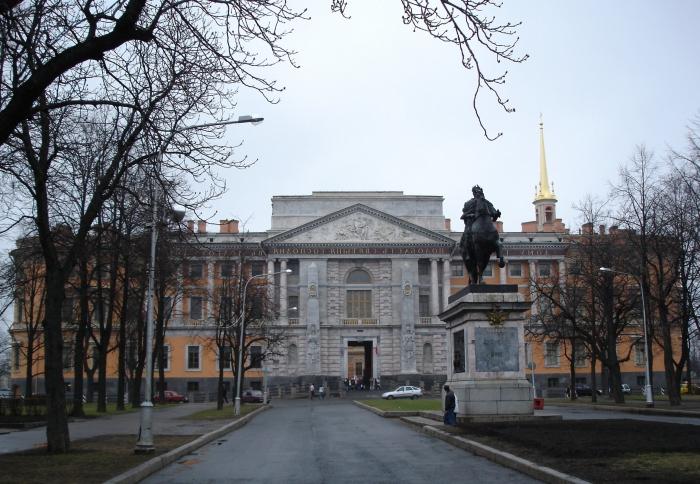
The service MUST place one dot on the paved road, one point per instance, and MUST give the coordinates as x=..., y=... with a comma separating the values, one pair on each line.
x=570, y=412
x=167, y=420
x=330, y=441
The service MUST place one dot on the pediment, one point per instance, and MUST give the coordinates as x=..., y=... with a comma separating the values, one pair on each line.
x=359, y=224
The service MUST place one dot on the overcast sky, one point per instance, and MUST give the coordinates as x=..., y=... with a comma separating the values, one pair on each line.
x=376, y=106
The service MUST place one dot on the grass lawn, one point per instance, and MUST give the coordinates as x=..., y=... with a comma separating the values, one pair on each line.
x=89, y=460
x=404, y=404
x=614, y=451
x=225, y=413
x=91, y=409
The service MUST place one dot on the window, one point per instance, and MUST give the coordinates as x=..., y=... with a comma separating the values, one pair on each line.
x=359, y=276
x=359, y=304
x=641, y=381
x=192, y=386
x=548, y=214
x=424, y=305
x=67, y=355
x=544, y=268
x=256, y=307
x=193, y=358
x=166, y=358
x=17, y=355
x=459, y=358
x=195, y=270
x=257, y=268
x=639, y=359
x=581, y=354
x=528, y=355
x=256, y=357
x=427, y=358
x=551, y=354
x=293, y=265
x=167, y=307
x=226, y=269
x=552, y=382
x=488, y=270
x=457, y=269
x=580, y=380
x=515, y=269
x=292, y=355
x=226, y=357
x=423, y=268
x=195, y=308
x=226, y=315
x=293, y=302
x=67, y=310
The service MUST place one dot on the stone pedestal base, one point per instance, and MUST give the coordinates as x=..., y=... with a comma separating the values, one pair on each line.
x=492, y=397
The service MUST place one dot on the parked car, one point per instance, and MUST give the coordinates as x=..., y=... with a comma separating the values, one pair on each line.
x=172, y=397
x=586, y=391
x=6, y=393
x=252, y=396
x=626, y=388
x=404, y=392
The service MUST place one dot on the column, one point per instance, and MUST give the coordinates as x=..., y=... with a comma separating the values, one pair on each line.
x=210, y=290
x=270, y=280
x=533, y=275
x=502, y=274
x=434, y=301
x=283, y=292
x=446, y=287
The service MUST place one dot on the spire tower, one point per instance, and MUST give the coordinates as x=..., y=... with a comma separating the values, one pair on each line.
x=545, y=201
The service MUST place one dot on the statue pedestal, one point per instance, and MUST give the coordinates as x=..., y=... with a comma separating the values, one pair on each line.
x=486, y=344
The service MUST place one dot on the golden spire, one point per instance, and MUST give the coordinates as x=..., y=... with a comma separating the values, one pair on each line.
x=543, y=189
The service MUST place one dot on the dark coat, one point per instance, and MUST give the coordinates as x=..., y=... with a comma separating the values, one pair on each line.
x=450, y=401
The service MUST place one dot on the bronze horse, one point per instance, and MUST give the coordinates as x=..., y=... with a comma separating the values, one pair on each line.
x=484, y=241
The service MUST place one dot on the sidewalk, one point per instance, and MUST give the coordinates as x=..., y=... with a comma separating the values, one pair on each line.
x=166, y=421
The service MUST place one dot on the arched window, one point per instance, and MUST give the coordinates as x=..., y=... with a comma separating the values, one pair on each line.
x=358, y=301
x=358, y=276
x=292, y=355
x=548, y=214
x=427, y=358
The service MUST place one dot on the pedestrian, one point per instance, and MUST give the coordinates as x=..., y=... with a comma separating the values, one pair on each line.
x=311, y=391
x=450, y=417
x=377, y=385
x=322, y=392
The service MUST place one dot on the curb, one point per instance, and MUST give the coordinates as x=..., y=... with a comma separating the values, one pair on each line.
x=151, y=466
x=641, y=410
x=545, y=474
x=386, y=413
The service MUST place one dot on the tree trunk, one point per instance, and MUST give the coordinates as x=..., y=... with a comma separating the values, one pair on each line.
x=672, y=389
x=57, y=435
x=594, y=384
x=29, y=375
x=572, y=370
x=80, y=336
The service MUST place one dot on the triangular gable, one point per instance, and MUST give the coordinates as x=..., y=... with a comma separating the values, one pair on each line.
x=359, y=224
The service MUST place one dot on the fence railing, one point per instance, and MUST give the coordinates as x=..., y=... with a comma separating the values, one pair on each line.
x=359, y=321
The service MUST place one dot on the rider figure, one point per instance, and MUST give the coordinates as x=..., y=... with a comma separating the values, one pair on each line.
x=469, y=214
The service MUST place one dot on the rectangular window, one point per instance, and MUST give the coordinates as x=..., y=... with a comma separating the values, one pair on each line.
x=256, y=307
x=67, y=355
x=195, y=270
x=423, y=268
x=580, y=380
x=166, y=358
x=67, y=312
x=226, y=269
x=544, y=268
x=515, y=269
x=457, y=269
x=359, y=304
x=551, y=354
x=424, y=305
x=226, y=356
x=17, y=355
x=459, y=357
x=226, y=315
x=552, y=382
x=192, y=386
x=167, y=308
x=488, y=270
x=195, y=308
x=293, y=265
x=581, y=358
x=639, y=353
x=193, y=358
x=528, y=354
x=257, y=268
x=293, y=302
x=256, y=357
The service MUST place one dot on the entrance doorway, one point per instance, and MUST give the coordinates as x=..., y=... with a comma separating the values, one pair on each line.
x=360, y=361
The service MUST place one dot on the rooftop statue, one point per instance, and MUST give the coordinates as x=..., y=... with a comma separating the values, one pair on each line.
x=480, y=238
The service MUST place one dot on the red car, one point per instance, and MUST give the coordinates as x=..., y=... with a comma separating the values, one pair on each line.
x=171, y=397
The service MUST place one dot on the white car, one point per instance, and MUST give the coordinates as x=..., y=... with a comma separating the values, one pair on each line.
x=404, y=392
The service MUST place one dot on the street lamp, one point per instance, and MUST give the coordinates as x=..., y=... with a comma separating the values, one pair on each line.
x=145, y=443
x=239, y=373
x=647, y=375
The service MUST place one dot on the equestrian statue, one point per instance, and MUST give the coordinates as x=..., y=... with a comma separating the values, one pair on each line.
x=480, y=238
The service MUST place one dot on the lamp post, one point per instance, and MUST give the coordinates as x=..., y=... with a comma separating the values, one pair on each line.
x=239, y=368
x=647, y=372
x=145, y=443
